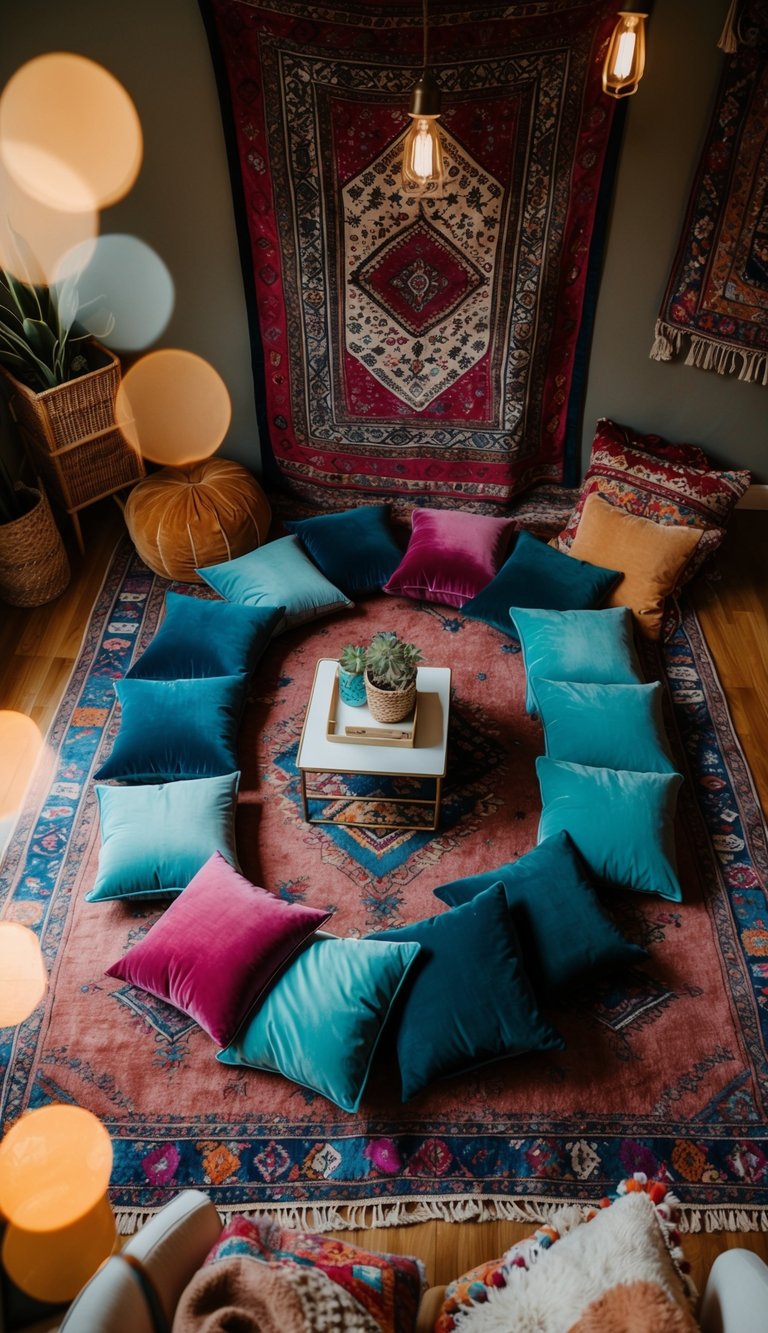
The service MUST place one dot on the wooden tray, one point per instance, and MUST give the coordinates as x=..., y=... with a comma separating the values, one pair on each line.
x=366, y=730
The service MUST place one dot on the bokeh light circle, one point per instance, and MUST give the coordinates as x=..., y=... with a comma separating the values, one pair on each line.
x=124, y=289
x=23, y=978
x=173, y=407
x=20, y=747
x=34, y=238
x=69, y=133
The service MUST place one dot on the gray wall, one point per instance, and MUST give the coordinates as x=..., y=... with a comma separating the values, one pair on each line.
x=181, y=205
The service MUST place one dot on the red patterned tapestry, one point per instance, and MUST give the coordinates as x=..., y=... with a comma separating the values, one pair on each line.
x=415, y=346
x=716, y=302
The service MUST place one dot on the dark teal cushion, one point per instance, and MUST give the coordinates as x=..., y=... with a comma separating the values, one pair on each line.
x=468, y=1000
x=172, y=729
x=203, y=638
x=536, y=575
x=321, y=1022
x=590, y=646
x=605, y=726
x=155, y=838
x=562, y=930
x=622, y=823
x=354, y=549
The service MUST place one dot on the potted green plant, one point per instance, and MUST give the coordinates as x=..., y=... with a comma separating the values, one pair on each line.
x=352, y=674
x=390, y=676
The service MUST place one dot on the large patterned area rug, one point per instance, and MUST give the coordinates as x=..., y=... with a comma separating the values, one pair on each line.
x=407, y=344
x=665, y=1068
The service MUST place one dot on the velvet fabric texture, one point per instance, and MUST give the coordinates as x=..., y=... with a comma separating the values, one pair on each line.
x=354, y=549
x=651, y=556
x=536, y=575
x=199, y=637
x=469, y=1000
x=562, y=930
x=451, y=556
x=587, y=646
x=155, y=838
x=279, y=574
x=217, y=947
x=321, y=1022
x=172, y=729
x=622, y=823
x=605, y=726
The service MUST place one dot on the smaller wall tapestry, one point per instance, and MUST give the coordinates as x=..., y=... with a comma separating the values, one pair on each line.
x=716, y=302
x=415, y=345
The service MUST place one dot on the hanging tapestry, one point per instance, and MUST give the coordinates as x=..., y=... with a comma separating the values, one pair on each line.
x=415, y=345
x=716, y=302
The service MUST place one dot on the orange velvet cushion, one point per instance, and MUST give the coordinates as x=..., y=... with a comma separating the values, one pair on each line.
x=651, y=556
x=185, y=517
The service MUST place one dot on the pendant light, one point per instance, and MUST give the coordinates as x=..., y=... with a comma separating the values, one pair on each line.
x=625, y=57
x=422, y=150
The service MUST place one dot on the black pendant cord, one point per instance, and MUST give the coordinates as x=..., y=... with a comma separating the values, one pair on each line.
x=425, y=28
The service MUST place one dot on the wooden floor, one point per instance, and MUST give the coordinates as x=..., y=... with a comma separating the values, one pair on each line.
x=39, y=647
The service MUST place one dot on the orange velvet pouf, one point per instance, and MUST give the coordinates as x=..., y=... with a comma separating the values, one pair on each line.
x=183, y=518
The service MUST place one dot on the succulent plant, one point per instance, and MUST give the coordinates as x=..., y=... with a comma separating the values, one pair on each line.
x=352, y=658
x=390, y=662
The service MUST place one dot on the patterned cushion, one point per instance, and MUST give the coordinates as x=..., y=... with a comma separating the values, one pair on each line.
x=644, y=475
x=451, y=556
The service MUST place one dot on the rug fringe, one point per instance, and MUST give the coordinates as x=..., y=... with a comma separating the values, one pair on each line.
x=728, y=40
x=368, y=1214
x=750, y=366
x=666, y=343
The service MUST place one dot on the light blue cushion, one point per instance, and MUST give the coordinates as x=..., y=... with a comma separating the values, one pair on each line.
x=536, y=575
x=278, y=574
x=172, y=729
x=589, y=646
x=155, y=838
x=622, y=823
x=321, y=1022
x=199, y=637
x=354, y=549
x=605, y=726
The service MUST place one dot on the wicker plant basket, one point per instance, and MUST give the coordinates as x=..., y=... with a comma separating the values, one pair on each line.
x=389, y=705
x=33, y=563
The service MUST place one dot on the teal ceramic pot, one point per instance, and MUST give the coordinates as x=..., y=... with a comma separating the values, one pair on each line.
x=352, y=687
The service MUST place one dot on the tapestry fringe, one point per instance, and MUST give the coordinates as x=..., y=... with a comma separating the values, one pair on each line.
x=399, y=1213
x=751, y=367
x=728, y=40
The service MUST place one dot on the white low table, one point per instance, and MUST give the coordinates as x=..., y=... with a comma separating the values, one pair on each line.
x=425, y=759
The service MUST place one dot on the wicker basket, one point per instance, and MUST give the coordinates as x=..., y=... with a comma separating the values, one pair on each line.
x=71, y=437
x=389, y=705
x=33, y=563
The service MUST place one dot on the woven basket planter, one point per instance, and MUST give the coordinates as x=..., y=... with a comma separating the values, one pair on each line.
x=389, y=705
x=33, y=563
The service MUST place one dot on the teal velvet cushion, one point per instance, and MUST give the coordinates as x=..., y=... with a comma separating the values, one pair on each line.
x=321, y=1022
x=468, y=1000
x=278, y=574
x=622, y=823
x=172, y=729
x=605, y=726
x=203, y=638
x=562, y=929
x=590, y=646
x=354, y=549
x=536, y=575
x=155, y=838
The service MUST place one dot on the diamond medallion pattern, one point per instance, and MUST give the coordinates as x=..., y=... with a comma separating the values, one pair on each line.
x=418, y=277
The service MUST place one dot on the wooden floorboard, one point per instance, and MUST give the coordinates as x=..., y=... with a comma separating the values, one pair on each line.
x=38, y=649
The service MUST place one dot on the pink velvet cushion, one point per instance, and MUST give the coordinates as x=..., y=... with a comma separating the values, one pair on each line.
x=452, y=555
x=218, y=947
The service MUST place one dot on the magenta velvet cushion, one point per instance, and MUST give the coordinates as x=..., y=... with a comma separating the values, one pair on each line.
x=452, y=555
x=218, y=947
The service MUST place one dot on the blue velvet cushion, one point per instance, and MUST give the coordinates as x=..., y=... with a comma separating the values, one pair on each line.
x=469, y=1000
x=536, y=575
x=203, y=638
x=605, y=726
x=321, y=1022
x=590, y=646
x=155, y=838
x=278, y=574
x=622, y=823
x=172, y=729
x=354, y=549
x=562, y=929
